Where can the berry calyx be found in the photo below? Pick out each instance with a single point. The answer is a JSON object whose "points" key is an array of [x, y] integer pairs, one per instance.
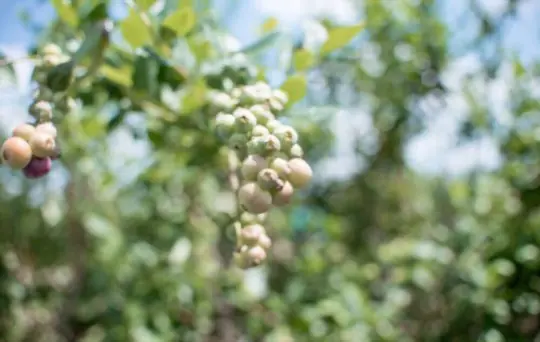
{"points": [[268, 179]]}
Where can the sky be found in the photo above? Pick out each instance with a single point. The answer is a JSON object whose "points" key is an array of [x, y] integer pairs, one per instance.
{"points": [[432, 152]]}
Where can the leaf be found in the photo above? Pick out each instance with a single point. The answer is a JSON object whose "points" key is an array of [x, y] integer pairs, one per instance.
{"points": [[180, 21], [145, 76], [261, 44], [303, 59], [135, 31], [339, 37], [121, 76], [67, 13], [269, 25], [145, 4], [295, 87], [195, 97]]}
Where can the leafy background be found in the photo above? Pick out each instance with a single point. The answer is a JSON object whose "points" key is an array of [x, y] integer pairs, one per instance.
{"points": [[422, 222]]}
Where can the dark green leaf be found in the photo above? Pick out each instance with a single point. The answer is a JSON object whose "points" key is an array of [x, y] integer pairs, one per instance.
{"points": [[145, 76]]}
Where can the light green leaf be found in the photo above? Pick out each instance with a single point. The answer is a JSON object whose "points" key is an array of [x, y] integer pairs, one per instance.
{"points": [[181, 21], [295, 87], [303, 59], [144, 4], [269, 25], [135, 31], [67, 13], [121, 76], [195, 97], [339, 37]]}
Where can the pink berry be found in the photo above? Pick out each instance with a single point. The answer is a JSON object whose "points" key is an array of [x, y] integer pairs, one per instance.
{"points": [[38, 167]]}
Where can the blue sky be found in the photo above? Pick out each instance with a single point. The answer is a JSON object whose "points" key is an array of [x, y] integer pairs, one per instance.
{"points": [[433, 151]]}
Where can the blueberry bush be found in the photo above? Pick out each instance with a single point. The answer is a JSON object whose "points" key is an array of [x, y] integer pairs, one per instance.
{"points": [[167, 186]]}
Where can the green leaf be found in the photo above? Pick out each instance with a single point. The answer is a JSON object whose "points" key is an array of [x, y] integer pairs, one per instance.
{"points": [[135, 31], [145, 76], [121, 76], [144, 4], [295, 87], [180, 21], [339, 37], [261, 44], [67, 13], [195, 97], [303, 59], [269, 25]]}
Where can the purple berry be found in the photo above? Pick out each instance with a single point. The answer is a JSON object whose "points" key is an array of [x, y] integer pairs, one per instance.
{"points": [[38, 167]]}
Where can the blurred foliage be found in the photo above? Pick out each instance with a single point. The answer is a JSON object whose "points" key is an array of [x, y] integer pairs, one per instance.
{"points": [[118, 248]]}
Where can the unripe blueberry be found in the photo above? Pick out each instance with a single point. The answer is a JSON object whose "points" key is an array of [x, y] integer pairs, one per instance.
{"points": [[265, 242], [268, 179], [248, 218], [42, 144], [273, 125], [16, 152], [275, 105], [262, 114], [248, 95], [38, 167], [256, 255], [284, 195], [225, 124], [238, 142], [24, 131], [42, 110], [50, 61], [236, 93], [249, 235], [47, 128], [296, 151], [252, 165], [264, 145], [301, 172], [245, 120], [280, 96], [260, 131], [222, 101], [281, 166], [253, 199], [286, 135], [263, 88], [52, 49]]}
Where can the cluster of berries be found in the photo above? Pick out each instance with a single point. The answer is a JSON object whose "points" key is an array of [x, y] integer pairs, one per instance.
{"points": [[32, 147], [272, 160]]}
